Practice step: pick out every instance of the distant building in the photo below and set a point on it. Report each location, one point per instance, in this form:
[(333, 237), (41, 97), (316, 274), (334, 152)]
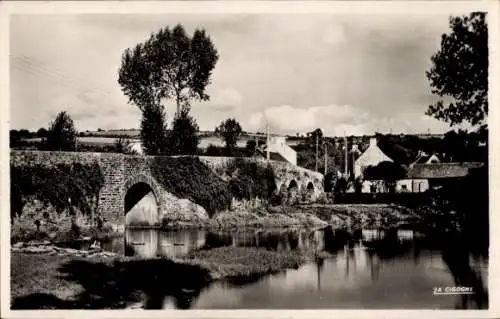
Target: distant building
[(424, 158), (279, 150), (438, 174), (372, 156)]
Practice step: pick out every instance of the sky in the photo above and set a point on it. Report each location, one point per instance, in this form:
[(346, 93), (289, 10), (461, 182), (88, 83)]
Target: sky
[(342, 73)]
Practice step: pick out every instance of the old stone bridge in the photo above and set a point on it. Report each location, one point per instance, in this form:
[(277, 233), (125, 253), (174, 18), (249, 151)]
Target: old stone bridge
[(127, 179)]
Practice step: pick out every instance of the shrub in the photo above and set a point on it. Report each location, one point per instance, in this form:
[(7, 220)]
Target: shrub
[(188, 177), (64, 186), (323, 199), (62, 134), (183, 138), (213, 150), (250, 180)]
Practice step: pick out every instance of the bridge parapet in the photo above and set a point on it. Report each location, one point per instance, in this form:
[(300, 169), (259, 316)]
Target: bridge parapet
[(119, 170)]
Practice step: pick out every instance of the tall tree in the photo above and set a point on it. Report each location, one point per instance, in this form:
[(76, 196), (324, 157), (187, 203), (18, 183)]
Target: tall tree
[(42, 132), (317, 133), (154, 131), (62, 134), (183, 138), (169, 65), (460, 72), (229, 130)]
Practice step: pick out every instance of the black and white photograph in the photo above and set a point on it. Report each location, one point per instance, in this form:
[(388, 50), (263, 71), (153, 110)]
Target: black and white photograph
[(281, 159)]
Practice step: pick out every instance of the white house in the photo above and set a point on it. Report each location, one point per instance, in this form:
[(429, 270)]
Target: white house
[(279, 150), (371, 157)]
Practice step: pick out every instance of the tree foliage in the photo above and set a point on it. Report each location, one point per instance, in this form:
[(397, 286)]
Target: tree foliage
[(460, 71), (169, 65), (188, 177), (42, 132), (62, 134), (183, 139), (389, 172), (229, 130), (251, 146), (250, 180), (154, 130), (315, 136), (79, 183)]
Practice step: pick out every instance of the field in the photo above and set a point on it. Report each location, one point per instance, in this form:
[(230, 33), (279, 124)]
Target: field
[(101, 140)]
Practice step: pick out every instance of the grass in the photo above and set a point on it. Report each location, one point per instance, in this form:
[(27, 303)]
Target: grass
[(57, 282), (231, 262), (360, 215), (37, 274)]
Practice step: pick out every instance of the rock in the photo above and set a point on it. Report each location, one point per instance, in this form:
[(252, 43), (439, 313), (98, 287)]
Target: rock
[(18, 245)]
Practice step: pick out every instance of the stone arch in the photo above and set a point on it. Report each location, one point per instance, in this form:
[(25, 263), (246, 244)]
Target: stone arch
[(292, 191), (136, 188), (310, 188), (293, 185)]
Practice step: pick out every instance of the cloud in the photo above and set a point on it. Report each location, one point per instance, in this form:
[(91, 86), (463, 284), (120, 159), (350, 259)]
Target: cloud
[(225, 99), (337, 72), (289, 119), (335, 120)]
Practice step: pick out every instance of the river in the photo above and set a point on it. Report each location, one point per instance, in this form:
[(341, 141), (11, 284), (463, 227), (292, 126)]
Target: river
[(370, 269)]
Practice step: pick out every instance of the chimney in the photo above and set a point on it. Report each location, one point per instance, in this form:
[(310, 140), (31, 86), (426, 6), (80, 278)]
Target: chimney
[(373, 142)]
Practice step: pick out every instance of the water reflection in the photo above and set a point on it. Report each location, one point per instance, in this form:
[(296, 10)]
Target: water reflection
[(367, 268)]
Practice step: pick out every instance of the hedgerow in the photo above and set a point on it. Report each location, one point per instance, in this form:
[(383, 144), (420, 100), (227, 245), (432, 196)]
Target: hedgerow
[(55, 185), (188, 177)]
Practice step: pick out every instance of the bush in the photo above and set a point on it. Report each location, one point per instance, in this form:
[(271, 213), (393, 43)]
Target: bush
[(65, 186), (213, 150), (250, 180), (62, 134), (324, 199), (188, 177), (183, 138)]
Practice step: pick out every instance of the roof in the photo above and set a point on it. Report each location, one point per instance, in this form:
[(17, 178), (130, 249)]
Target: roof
[(372, 156), (442, 170), (272, 156), (422, 159)]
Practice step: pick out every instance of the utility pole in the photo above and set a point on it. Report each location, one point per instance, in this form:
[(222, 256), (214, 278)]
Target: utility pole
[(346, 158), (316, 151), (268, 155), (326, 158)]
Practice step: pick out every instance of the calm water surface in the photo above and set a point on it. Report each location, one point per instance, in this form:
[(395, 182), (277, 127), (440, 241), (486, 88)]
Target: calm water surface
[(369, 269)]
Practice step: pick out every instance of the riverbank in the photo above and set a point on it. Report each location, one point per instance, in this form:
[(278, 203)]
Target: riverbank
[(309, 216), (73, 281)]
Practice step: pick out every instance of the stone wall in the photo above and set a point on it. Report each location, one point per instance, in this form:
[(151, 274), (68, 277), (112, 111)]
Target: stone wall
[(122, 171), (284, 172)]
